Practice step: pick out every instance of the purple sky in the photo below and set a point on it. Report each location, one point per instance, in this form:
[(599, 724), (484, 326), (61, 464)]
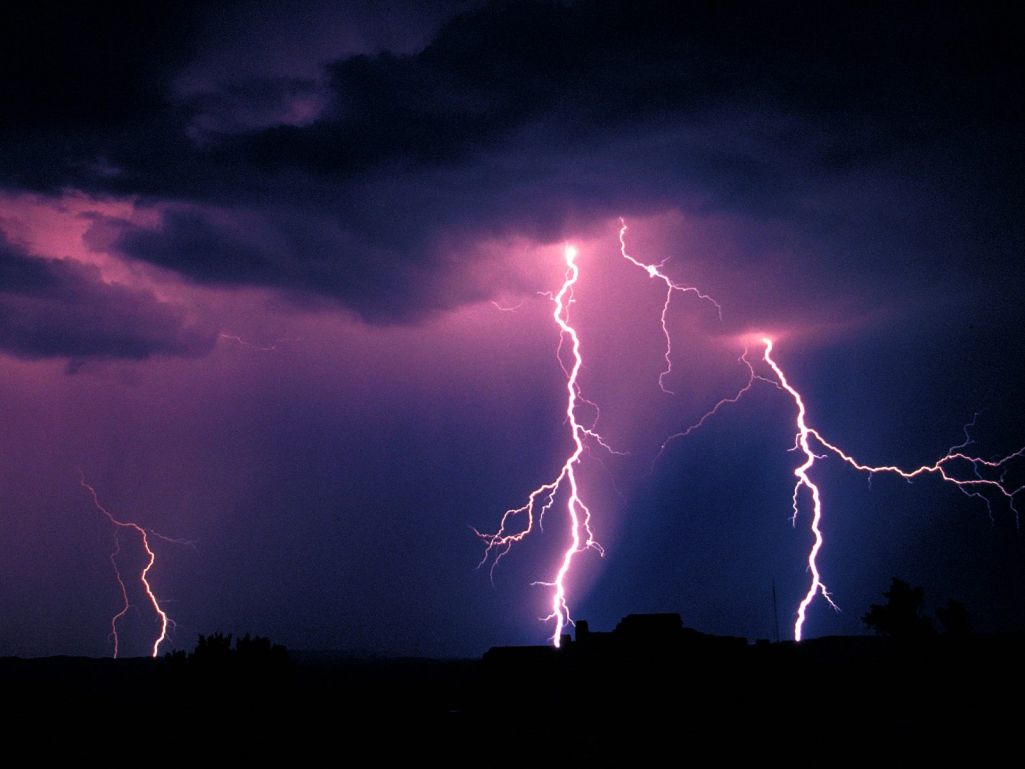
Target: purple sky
[(249, 261)]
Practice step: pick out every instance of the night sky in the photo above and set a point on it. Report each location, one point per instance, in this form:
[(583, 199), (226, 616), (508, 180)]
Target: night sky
[(273, 278)]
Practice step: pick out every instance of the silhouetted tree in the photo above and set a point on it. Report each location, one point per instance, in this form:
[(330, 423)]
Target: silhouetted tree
[(901, 616), (954, 619), (213, 649), (251, 654)]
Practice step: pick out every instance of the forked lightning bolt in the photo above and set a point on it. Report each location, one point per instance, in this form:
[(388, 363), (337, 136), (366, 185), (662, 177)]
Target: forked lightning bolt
[(541, 499), (151, 557), (952, 467), (965, 471)]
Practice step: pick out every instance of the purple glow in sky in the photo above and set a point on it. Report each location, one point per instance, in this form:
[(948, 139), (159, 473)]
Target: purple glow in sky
[(249, 267)]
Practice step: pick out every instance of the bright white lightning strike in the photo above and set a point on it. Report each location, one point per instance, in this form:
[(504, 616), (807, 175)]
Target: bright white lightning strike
[(541, 499), (946, 468), (807, 439), (803, 479)]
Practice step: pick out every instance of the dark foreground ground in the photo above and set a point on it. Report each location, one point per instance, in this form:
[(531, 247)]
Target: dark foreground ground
[(715, 701)]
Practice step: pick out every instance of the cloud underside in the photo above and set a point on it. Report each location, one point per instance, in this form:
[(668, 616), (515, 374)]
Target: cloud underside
[(61, 308), (370, 185)]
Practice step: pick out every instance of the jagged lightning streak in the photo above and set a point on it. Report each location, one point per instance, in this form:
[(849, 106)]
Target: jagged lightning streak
[(752, 376), (165, 621), (655, 271), (807, 439), (945, 468), (542, 498), (803, 431)]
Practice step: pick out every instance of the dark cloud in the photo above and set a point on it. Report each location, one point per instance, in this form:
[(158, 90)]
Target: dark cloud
[(83, 81), (61, 308), (517, 117), (300, 253), (296, 41), (100, 64), (252, 105)]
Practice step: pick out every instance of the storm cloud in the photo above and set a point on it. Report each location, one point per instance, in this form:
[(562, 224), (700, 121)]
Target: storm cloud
[(62, 308), (359, 183)]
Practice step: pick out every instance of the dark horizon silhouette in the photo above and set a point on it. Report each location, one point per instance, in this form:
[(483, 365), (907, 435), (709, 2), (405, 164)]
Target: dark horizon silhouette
[(649, 678)]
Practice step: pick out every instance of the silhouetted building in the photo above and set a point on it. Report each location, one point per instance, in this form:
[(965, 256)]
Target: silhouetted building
[(636, 636)]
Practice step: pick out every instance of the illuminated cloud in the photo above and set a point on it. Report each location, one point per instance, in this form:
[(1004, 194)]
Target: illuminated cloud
[(62, 308)]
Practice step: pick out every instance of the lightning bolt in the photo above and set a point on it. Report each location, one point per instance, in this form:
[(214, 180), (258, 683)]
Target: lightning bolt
[(655, 271), (151, 557), (951, 468), (541, 499), (965, 471), (803, 479)]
